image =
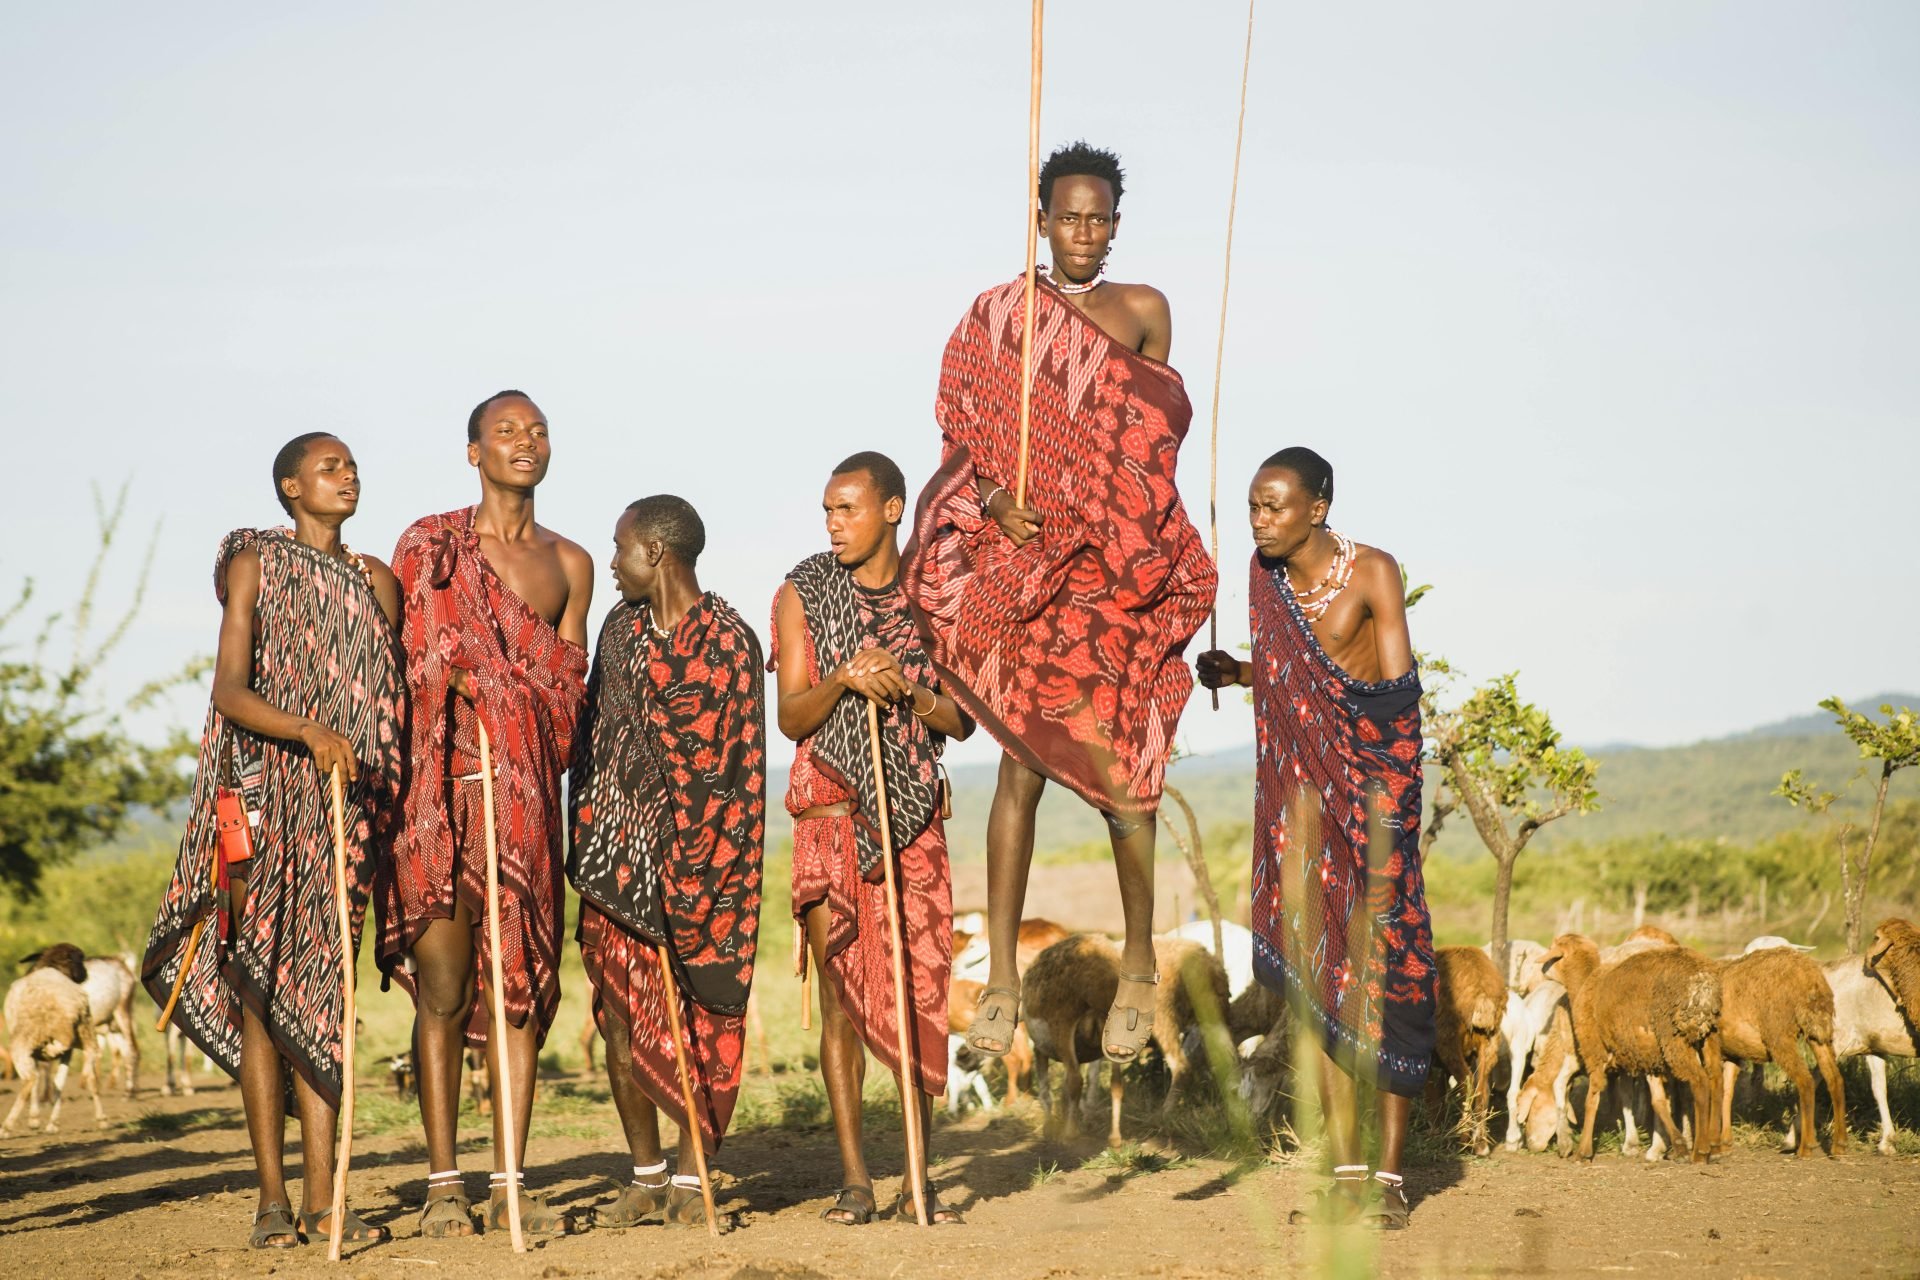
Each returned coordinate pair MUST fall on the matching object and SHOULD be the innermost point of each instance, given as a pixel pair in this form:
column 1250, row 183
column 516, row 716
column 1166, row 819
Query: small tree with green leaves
column 69, row 771
column 1503, row 763
column 1895, row 743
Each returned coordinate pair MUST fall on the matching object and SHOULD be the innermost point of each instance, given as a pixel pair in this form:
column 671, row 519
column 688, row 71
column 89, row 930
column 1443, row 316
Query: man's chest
column 532, row 573
column 1113, row 317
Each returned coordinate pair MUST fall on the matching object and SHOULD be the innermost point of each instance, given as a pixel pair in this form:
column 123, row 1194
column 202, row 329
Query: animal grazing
column 1771, row 1000
column 1654, row 1012
column 1524, row 1030
column 1471, row 1000
column 48, row 1017
column 179, row 1049
column 110, row 988
column 1894, row 958
column 1523, row 962
column 1236, row 939
column 966, row 1076
column 406, row 1083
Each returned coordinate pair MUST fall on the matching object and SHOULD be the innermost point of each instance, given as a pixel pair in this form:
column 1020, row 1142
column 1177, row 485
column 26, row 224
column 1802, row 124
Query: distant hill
column 1819, row 722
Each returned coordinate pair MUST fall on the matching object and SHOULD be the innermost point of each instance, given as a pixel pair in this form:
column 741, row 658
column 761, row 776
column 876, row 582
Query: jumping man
column 844, row 638
column 306, row 681
column 1059, row 625
column 495, row 632
column 1340, row 923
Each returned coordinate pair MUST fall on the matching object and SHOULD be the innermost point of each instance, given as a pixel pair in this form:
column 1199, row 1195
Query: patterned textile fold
column 828, row 858
column 1069, row 650
column 528, row 684
column 669, row 823
column 1340, row 918
column 323, row 649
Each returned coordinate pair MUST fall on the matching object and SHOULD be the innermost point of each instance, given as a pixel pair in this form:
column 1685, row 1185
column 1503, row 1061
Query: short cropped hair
column 480, row 411
column 287, row 462
column 1315, row 472
column 674, row 522
column 1080, row 160
column 882, row 470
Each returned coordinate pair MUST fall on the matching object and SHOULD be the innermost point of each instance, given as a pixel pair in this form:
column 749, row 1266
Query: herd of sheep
column 1651, row 1024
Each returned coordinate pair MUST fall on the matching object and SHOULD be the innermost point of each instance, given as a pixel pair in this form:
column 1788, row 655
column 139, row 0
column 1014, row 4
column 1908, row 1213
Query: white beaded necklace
column 1316, row 599
column 1074, row 290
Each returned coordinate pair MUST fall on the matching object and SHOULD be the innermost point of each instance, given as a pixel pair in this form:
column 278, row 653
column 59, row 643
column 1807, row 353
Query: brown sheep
column 1540, row 1112
column 1471, row 998
column 1067, row 993
column 1894, row 958
column 61, row 957
column 1654, row 1013
column 1769, row 1001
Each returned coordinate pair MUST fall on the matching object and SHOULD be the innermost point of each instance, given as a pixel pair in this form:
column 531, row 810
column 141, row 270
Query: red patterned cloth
column 1069, row 649
column 827, row 868
column 528, row 685
column 669, row 804
column 1339, row 926
column 322, row 648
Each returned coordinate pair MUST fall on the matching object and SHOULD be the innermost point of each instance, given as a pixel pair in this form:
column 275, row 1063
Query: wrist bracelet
column 986, row 503
column 913, row 702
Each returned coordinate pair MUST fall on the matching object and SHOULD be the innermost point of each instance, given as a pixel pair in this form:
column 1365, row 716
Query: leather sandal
column 1128, row 1030
column 996, row 1015
column 637, row 1202
column 938, row 1215
column 686, row 1207
column 855, row 1203
column 536, row 1218
column 269, row 1225
column 1389, row 1211
column 355, row 1230
column 444, row 1216
column 1332, row 1206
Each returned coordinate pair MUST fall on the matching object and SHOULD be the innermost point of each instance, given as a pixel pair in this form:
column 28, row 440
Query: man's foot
column 854, row 1207
column 446, row 1215
column 1337, row 1205
column 1389, row 1210
column 686, row 1207
column 536, row 1217
column 938, row 1215
column 354, row 1230
column 273, row 1229
column 638, row 1202
column 996, row 1012
column 1130, row 1026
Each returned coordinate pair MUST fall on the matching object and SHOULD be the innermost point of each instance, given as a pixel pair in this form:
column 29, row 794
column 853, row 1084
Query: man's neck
column 879, row 569
column 320, row 533
column 1309, row 564
column 675, row 596
column 504, row 514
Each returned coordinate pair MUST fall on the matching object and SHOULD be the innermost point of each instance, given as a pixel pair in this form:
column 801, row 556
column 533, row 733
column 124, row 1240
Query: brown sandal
column 849, row 1202
column 997, row 1021
column 536, row 1218
column 1337, row 1205
column 686, row 1207
column 270, row 1224
column 355, row 1230
column 1128, row 1030
column 637, row 1202
column 443, row 1213
column 1390, row 1211
column 938, row 1215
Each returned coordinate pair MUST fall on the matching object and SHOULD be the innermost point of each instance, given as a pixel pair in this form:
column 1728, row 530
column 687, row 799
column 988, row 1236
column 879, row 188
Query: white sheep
column 1525, row 1025
column 47, row 1019
column 1866, row 1024
column 110, row 987
column 1237, row 940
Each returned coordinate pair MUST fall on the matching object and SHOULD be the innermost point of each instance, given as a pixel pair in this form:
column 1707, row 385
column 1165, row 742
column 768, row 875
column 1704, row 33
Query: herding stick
column 1033, row 231
column 909, row 1090
column 347, row 1018
column 692, row 1125
column 1220, row 348
column 497, row 1041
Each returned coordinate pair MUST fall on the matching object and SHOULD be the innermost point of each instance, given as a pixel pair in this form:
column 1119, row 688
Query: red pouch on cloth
column 235, row 827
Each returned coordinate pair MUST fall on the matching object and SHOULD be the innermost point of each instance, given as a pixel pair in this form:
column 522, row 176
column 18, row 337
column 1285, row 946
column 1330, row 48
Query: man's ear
column 894, row 510
column 1113, row 228
column 655, row 550
column 290, row 487
column 1320, row 507
column 473, row 453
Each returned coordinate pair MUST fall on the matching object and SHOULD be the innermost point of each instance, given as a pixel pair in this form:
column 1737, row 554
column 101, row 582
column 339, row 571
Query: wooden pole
column 348, row 1017
column 193, row 941
column 1220, row 347
column 497, row 1041
column 896, row 938
column 691, row 1126
column 1033, row 232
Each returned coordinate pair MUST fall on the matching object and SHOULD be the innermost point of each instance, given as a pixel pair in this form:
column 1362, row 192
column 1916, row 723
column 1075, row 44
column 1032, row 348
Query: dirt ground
column 163, row 1189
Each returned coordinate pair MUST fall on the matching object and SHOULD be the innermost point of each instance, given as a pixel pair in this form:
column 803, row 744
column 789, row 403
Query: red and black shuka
column 668, row 791
column 322, row 648
column 1069, row 649
column 528, row 684
column 1340, row 922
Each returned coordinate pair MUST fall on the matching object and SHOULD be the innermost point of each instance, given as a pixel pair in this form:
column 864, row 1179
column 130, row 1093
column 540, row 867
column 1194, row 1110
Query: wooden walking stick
column 1033, row 232
column 692, row 1125
column 909, row 1090
column 347, row 1018
column 1220, row 347
column 497, row 1040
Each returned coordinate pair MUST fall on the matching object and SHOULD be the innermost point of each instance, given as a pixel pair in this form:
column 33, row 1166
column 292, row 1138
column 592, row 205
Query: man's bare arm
column 386, row 589
column 578, row 566
column 1156, row 322
column 803, row 705
column 233, row 695
column 1386, row 600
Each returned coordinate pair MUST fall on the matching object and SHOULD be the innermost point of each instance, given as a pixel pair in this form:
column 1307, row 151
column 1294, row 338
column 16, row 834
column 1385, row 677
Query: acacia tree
column 69, row 771
column 1896, row 745
column 1504, row 764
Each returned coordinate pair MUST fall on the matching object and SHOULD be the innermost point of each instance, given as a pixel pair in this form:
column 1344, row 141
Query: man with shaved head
column 495, row 634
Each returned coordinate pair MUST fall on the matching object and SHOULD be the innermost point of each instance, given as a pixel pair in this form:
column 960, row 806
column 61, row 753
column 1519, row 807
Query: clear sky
column 1605, row 313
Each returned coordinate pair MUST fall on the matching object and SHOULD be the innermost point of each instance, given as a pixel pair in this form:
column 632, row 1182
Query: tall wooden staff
column 909, row 1089
column 1033, row 231
column 498, row 1040
column 1220, row 348
column 348, row 1017
column 692, row 1126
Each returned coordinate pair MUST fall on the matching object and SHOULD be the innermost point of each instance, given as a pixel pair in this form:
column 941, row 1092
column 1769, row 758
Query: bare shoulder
column 573, row 557
column 382, row 575
column 1376, row 569
column 1145, row 301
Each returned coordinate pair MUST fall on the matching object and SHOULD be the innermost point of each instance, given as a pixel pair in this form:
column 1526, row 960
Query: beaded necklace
column 1071, row 289
column 1315, row 600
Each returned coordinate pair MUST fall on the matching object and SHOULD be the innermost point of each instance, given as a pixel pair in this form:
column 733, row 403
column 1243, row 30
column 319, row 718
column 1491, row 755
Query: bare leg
column 1338, row 1111
column 263, row 1094
column 319, row 1126
column 1009, row 857
column 1133, row 863
column 522, row 1047
column 444, row 987
column 1396, row 1113
column 843, row 1063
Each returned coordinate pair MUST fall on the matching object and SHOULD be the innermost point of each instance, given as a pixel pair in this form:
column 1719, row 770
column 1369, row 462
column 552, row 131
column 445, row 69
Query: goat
column 1470, row 1000
column 48, row 1017
column 1528, row 1020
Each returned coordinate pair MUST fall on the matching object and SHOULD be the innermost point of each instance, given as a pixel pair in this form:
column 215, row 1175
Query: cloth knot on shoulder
column 443, row 555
